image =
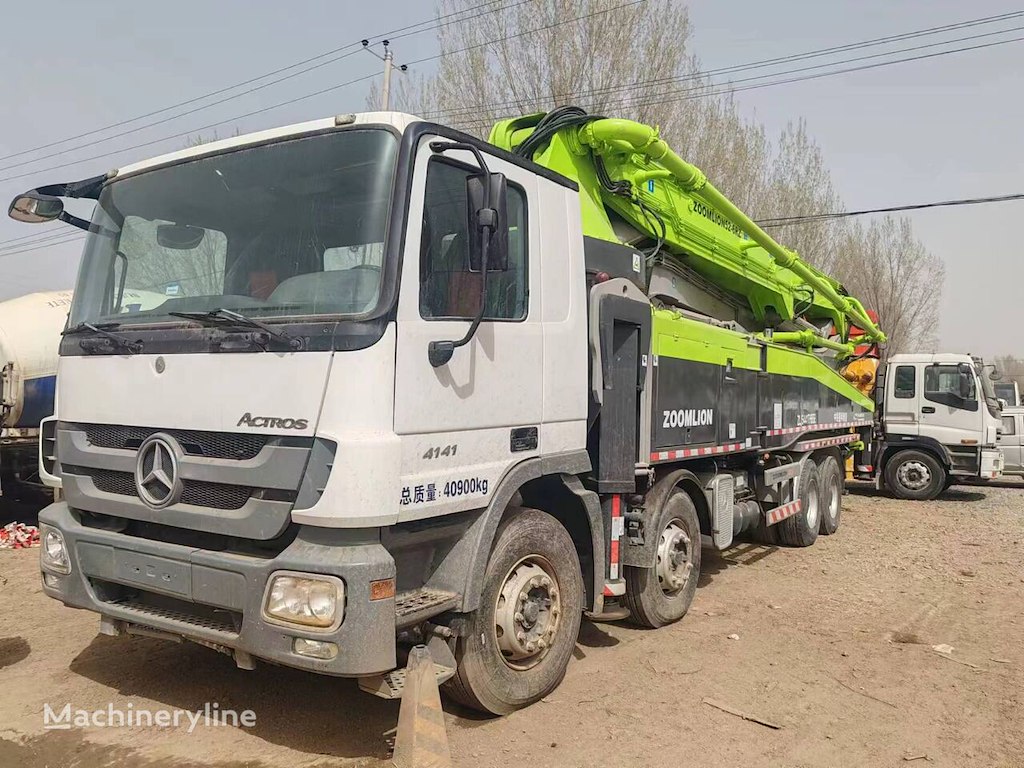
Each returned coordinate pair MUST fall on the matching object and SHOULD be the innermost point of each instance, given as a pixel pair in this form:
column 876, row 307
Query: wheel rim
column 832, row 502
column 675, row 558
column 914, row 475
column 527, row 612
column 811, row 514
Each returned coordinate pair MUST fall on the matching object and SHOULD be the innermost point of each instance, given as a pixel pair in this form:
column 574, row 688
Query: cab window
column 942, row 385
column 448, row 287
column 904, row 383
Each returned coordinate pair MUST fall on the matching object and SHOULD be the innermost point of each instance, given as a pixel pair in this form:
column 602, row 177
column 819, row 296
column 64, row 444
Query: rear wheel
column 661, row 595
column 801, row 530
column 830, row 494
column 915, row 475
column 517, row 644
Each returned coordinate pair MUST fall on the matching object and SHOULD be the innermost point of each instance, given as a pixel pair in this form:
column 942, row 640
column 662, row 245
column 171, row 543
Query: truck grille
column 215, row 445
column 156, row 610
column 195, row 492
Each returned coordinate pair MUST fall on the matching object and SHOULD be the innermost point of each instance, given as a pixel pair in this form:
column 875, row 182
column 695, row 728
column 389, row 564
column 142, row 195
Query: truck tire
column 915, row 475
column 801, row 530
column 661, row 595
column 517, row 644
column 830, row 494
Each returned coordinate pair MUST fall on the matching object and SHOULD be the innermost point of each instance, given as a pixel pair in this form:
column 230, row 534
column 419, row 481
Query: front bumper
column 215, row 598
column 991, row 463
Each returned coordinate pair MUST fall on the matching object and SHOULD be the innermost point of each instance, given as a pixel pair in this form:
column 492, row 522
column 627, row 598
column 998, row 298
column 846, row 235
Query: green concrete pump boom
column 625, row 169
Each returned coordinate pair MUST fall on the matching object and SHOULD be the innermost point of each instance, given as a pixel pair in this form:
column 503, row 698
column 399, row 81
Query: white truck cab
column 1011, row 435
column 1008, row 392
column 940, row 420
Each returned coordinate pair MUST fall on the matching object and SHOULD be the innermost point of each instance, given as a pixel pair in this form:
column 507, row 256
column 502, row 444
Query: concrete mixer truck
column 30, row 329
column 399, row 386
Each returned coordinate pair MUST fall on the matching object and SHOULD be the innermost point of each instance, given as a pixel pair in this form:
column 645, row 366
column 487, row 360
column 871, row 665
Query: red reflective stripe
column 781, row 513
column 817, row 427
column 686, row 453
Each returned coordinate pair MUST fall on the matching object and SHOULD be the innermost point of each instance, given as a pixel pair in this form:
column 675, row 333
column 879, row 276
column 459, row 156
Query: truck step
column 421, row 604
column 391, row 684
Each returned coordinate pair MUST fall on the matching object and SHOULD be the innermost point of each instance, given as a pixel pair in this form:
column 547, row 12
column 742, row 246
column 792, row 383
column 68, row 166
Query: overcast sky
column 949, row 127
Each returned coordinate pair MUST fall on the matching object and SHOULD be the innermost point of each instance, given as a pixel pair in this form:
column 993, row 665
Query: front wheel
column 915, row 475
column 517, row 644
column 661, row 595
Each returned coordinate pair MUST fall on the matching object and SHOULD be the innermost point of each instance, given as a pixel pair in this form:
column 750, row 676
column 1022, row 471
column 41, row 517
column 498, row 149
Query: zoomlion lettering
column 688, row 417
column 711, row 214
column 271, row 422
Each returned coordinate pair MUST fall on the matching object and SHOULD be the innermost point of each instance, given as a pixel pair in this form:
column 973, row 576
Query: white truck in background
column 30, row 335
column 30, row 329
column 937, row 423
column 1011, row 440
column 1009, row 392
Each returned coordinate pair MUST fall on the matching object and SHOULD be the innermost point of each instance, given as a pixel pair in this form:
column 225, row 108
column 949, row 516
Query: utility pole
column 385, row 91
column 389, row 65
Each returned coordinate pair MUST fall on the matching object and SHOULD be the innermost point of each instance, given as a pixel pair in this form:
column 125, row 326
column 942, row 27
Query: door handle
column 928, row 409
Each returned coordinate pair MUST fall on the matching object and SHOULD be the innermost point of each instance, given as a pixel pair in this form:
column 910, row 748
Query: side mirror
column 483, row 212
column 34, row 208
column 966, row 382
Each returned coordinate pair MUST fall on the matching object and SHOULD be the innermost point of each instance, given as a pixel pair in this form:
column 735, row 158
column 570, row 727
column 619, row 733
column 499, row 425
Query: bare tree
column 1011, row 369
column 634, row 62
column 535, row 56
column 800, row 183
column 892, row 272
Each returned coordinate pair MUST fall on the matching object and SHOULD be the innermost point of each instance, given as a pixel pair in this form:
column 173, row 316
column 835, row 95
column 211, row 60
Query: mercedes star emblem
column 156, row 472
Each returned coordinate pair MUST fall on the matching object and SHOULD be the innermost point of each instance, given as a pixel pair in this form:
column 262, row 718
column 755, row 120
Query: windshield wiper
column 109, row 339
column 226, row 318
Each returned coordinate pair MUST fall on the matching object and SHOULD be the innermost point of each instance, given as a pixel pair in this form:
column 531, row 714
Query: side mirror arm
column 440, row 352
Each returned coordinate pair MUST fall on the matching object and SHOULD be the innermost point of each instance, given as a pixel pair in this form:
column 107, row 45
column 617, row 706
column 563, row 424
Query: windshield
column 991, row 401
column 1006, row 391
column 293, row 228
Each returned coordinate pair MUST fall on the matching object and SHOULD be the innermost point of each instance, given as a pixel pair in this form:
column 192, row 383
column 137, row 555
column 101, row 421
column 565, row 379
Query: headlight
column 53, row 555
column 312, row 601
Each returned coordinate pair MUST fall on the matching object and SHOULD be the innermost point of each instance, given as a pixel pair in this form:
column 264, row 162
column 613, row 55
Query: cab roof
column 397, row 120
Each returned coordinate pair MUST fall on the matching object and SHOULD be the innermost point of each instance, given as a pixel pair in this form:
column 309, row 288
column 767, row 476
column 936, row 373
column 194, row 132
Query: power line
column 394, row 34
column 238, row 95
column 48, row 232
column 190, row 130
column 72, row 239
column 763, row 62
column 847, row 70
column 783, row 221
column 297, row 99
column 50, row 237
column 701, row 92
column 754, row 78
column 765, row 223
column 526, row 32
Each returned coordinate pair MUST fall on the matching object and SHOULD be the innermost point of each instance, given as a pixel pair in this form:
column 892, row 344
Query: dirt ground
column 835, row 645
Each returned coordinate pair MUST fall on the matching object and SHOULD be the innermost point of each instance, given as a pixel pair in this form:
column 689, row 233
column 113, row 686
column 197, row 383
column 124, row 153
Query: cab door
column 463, row 423
column 1010, row 442
column 902, row 403
column 950, row 408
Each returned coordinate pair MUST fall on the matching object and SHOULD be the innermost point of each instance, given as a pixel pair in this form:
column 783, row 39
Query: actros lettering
column 688, row 417
column 271, row 422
